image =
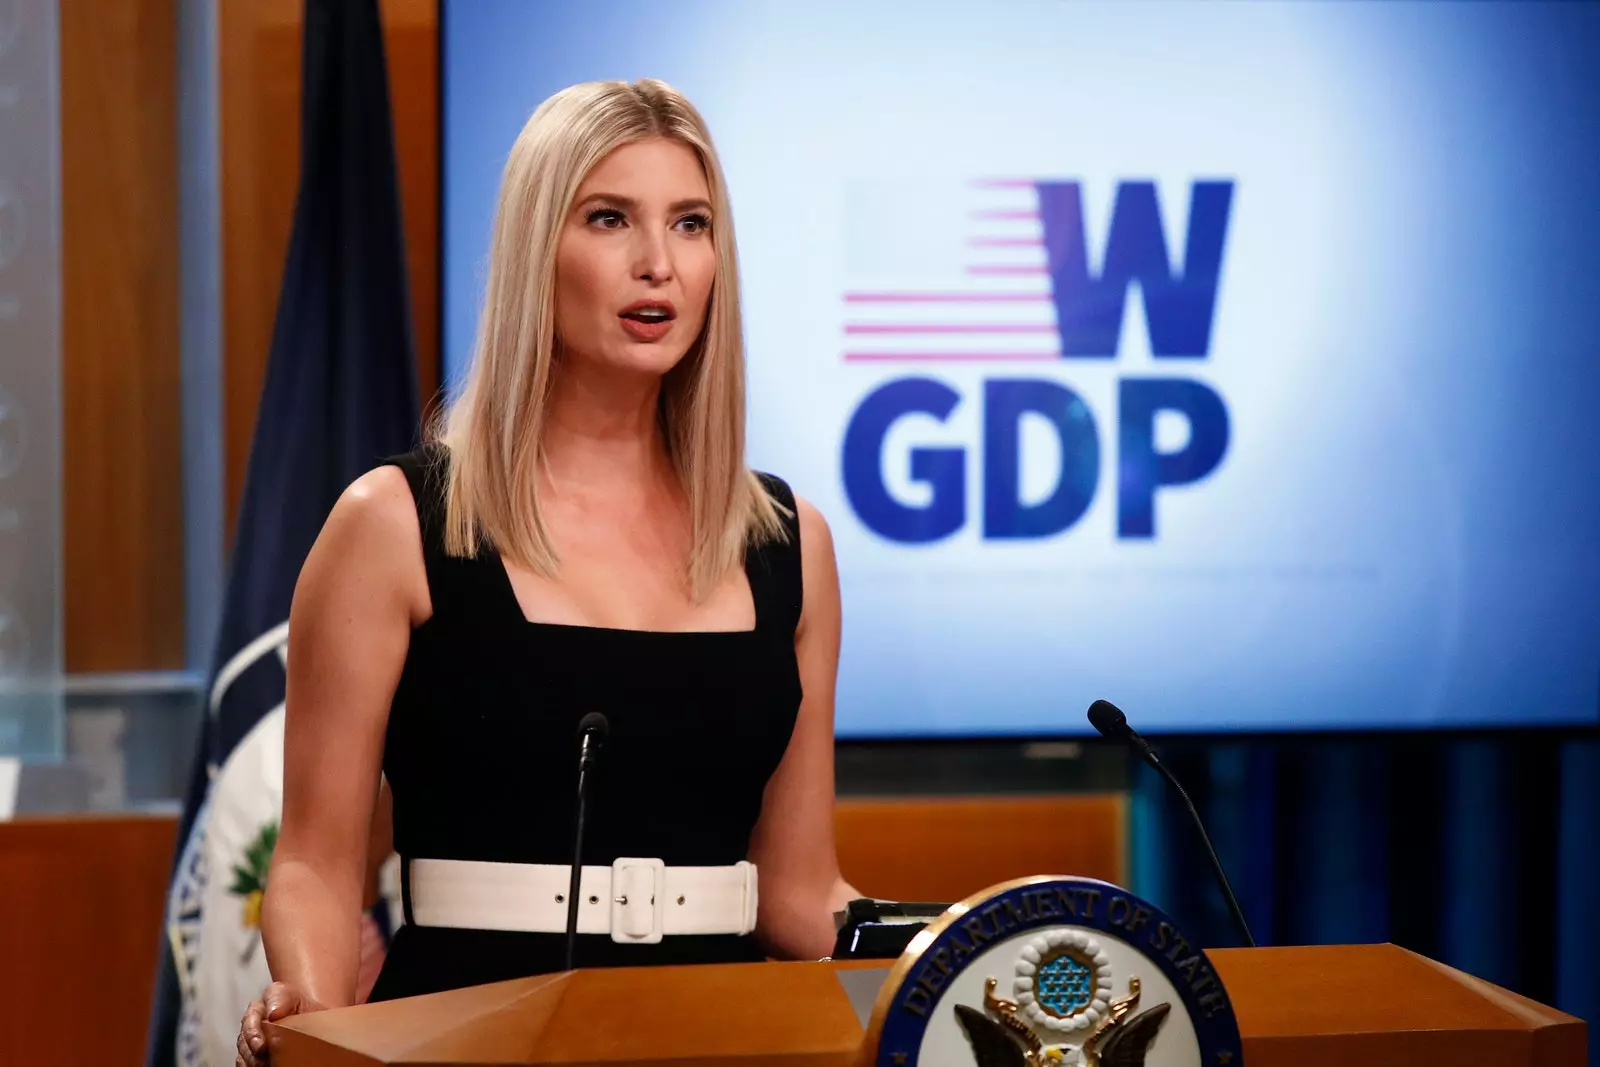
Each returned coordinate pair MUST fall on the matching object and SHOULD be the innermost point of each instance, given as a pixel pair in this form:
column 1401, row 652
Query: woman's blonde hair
column 494, row 430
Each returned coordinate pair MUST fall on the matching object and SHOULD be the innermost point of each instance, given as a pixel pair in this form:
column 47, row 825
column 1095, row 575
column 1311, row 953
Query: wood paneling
column 259, row 43
column 259, row 51
column 943, row 849
column 122, row 411
column 411, row 38
column 81, row 904
column 122, row 504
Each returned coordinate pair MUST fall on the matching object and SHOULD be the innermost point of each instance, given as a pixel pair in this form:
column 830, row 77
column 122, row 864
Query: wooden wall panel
column 259, row 44
column 81, row 904
column 259, row 49
column 411, row 39
column 121, row 426
column 943, row 849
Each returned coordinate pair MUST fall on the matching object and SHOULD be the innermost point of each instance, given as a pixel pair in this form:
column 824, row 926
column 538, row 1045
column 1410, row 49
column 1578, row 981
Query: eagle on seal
column 995, row 1045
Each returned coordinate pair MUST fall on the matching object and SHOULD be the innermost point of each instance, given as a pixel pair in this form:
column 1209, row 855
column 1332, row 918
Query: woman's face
column 635, row 261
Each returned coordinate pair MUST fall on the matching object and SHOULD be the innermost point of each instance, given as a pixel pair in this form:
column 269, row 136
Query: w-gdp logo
column 1033, row 296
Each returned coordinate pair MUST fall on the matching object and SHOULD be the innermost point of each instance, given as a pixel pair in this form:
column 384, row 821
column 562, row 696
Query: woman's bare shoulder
column 376, row 512
column 813, row 527
column 373, row 531
column 819, row 569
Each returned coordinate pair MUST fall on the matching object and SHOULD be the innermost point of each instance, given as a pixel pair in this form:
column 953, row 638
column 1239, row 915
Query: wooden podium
column 1347, row 1005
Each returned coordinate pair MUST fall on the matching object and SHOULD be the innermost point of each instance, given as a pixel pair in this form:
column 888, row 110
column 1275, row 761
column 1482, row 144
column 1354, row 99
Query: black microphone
column 593, row 729
column 1112, row 724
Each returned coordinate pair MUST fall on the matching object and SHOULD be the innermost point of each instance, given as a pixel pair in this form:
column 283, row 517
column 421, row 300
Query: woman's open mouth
column 648, row 320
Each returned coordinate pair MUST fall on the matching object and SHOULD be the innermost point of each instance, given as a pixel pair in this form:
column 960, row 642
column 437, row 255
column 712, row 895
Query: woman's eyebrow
column 628, row 202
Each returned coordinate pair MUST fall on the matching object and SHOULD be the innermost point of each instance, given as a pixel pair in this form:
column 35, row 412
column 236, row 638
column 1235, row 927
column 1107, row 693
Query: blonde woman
column 583, row 536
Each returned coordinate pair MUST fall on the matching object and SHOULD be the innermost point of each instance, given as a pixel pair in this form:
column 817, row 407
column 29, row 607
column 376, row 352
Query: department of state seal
column 1054, row 971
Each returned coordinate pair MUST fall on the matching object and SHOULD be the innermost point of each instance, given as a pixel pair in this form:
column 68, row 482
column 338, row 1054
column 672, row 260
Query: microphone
column 1107, row 718
column 593, row 729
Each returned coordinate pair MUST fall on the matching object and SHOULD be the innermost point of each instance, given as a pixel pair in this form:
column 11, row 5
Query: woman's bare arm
column 793, row 846
column 360, row 592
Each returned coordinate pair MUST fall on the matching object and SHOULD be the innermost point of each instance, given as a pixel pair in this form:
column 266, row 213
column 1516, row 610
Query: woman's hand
column 280, row 1001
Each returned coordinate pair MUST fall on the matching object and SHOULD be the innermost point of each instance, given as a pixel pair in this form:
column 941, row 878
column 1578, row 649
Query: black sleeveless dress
column 481, row 751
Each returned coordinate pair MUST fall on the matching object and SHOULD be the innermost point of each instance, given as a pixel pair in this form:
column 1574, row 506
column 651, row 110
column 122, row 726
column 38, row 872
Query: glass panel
column 31, row 723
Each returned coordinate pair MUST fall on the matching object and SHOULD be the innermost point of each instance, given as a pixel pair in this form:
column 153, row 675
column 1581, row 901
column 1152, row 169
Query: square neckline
column 509, row 595
column 771, row 566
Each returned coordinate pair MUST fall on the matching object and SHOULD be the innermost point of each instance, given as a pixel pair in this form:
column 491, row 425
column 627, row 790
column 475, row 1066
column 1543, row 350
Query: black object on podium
column 881, row 929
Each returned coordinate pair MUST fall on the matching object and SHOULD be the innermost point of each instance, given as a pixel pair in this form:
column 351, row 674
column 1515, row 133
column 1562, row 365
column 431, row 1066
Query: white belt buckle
column 638, row 887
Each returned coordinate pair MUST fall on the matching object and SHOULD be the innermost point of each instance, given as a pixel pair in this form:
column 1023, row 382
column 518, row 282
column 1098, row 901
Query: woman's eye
column 694, row 224
column 606, row 218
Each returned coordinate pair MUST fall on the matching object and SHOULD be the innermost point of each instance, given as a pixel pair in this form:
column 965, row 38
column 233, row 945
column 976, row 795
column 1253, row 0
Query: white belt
column 636, row 901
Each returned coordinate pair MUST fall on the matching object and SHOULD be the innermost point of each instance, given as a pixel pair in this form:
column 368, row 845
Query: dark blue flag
column 340, row 395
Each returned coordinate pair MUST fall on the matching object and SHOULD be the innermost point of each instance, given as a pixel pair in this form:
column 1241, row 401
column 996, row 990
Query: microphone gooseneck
column 593, row 729
column 1108, row 719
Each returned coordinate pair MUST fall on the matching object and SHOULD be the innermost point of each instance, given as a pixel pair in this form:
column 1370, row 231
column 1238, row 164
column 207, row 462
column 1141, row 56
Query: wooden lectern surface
column 1335, row 1006
column 794, row 1014
column 1384, row 1006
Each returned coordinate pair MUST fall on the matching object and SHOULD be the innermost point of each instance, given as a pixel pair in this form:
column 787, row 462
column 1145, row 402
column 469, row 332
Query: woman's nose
column 653, row 261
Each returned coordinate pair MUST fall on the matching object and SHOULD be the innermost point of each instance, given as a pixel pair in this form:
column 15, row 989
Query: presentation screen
column 1237, row 363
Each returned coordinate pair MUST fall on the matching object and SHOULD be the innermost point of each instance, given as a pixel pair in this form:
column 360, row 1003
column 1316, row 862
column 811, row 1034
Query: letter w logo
column 1179, row 309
